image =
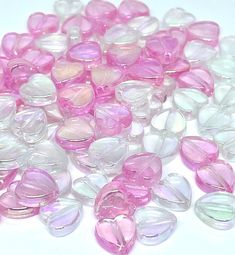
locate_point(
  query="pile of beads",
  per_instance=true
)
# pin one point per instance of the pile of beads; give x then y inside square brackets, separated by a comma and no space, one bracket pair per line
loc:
[111,89]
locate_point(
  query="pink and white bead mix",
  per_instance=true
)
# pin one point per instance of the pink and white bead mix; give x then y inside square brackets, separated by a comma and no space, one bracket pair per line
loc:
[110,91]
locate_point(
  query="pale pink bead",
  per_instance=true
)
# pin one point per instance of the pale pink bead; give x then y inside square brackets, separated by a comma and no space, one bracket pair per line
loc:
[85,26]
[88,53]
[42,61]
[7,175]
[143,168]
[2,76]
[112,200]
[196,151]
[148,70]
[217,176]
[207,31]
[197,78]
[166,49]
[75,134]
[179,66]
[123,55]
[14,45]
[40,23]
[65,72]
[112,119]
[131,9]
[76,99]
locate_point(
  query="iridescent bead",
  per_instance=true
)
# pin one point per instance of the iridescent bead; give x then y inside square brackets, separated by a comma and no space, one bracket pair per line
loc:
[216,210]
[30,125]
[224,96]
[226,46]
[67,8]
[86,188]
[108,154]
[54,114]
[7,110]
[135,138]
[154,225]
[223,67]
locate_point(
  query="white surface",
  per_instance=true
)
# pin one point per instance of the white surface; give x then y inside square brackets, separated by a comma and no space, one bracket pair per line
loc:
[191,236]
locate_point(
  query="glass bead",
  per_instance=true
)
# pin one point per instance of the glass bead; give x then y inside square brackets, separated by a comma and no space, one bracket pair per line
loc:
[176,68]
[226,46]
[67,8]
[223,68]
[74,35]
[7,110]
[224,96]
[53,113]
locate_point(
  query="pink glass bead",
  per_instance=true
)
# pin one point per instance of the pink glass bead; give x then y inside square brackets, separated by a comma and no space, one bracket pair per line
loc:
[217,176]
[10,206]
[123,55]
[104,79]
[14,45]
[131,9]
[2,76]
[147,69]
[112,200]
[40,23]
[112,119]
[176,68]
[85,26]
[65,72]
[197,152]
[117,235]
[36,188]
[197,78]
[8,174]
[87,53]
[207,31]
[137,194]
[166,49]
[76,133]
[42,61]
[76,99]
[143,168]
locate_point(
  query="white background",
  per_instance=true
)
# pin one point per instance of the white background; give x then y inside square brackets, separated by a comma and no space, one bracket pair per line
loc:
[29,237]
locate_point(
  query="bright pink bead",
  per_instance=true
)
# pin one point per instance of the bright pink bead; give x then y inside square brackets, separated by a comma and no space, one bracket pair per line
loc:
[112,200]
[217,176]
[207,31]
[112,119]
[178,67]
[40,23]
[147,69]
[76,99]
[42,61]
[131,9]
[197,78]
[10,206]
[88,53]
[80,21]
[65,72]
[7,175]
[14,45]
[197,152]
[166,49]
[143,168]
[36,188]
[2,76]
[117,235]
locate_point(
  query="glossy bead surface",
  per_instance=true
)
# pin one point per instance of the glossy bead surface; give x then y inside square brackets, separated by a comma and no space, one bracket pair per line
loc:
[67,8]
[226,46]
[223,67]
[7,110]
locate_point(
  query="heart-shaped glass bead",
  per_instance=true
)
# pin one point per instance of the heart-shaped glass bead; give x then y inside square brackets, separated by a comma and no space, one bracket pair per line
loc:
[67,8]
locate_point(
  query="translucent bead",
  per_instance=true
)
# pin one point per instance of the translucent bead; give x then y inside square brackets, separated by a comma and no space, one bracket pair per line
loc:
[189,101]
[86,188]
[178,17]
[170,120]
[135,138]
[145,25]
[68,137]
[53,113]
[67,8]
[61,217]
[112,119]
[8,172]
[38,91]
[223,67]
[196,151]
[7,110]
[117,235]
[30,125]
[76,99]
[226,46]
[211,119]
[163,144]
[40,23]
[10,206]
[173,192]
[74,36]
[36,188]
[154,225]
[54,43]
[224,96]
[176,68]
[143,168]
[216,210]
[197,78]
[217,176]
[108,154]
